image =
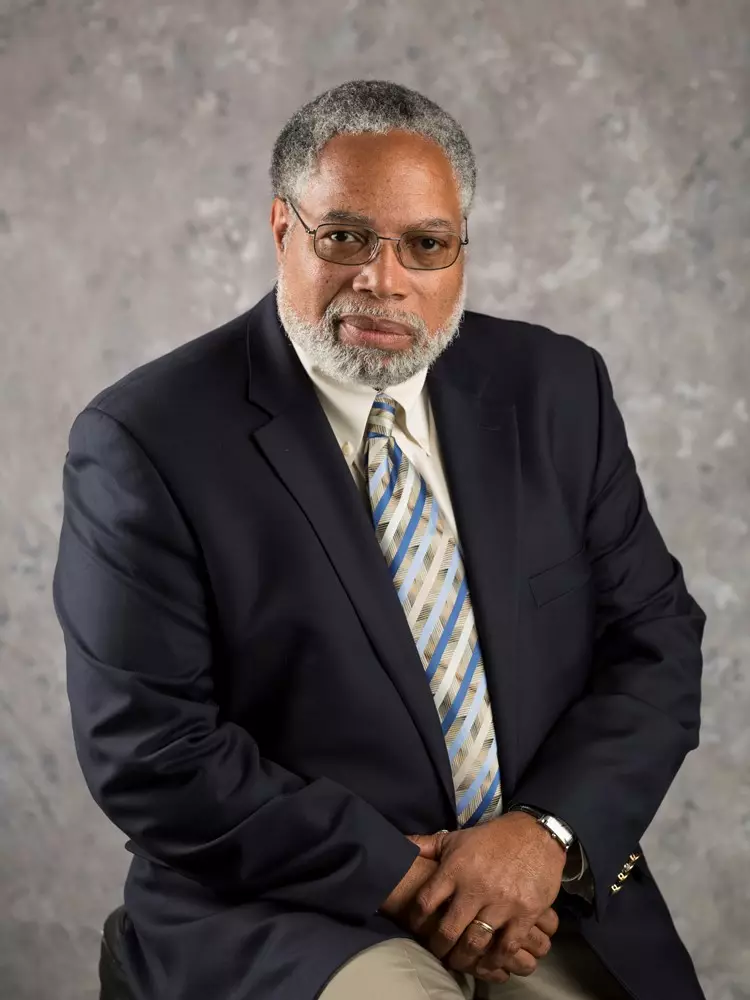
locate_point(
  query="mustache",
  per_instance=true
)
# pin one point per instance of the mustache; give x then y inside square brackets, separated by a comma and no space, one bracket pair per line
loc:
[338,309]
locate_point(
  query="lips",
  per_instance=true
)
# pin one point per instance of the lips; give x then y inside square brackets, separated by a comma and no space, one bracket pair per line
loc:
[377,325]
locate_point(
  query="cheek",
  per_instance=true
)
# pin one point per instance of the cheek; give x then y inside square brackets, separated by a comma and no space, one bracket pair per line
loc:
[324,285]
[442,301]
[313,284]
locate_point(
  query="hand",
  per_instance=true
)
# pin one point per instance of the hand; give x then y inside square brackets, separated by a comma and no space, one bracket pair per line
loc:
[473,948]
[481,956]
[506,872]
[400,899]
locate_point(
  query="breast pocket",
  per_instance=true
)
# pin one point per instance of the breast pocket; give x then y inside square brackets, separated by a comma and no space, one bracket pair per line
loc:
[560,579]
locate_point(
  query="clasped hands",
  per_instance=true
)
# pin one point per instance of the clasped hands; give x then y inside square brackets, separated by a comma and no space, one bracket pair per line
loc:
[506,873]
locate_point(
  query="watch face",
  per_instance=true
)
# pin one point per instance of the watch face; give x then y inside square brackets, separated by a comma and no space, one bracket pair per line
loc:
[552,825]
[558,830]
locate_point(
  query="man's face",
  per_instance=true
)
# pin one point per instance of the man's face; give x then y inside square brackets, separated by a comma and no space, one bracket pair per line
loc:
[396,180]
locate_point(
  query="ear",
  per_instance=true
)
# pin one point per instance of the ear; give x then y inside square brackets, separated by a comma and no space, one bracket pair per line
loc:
[280,224]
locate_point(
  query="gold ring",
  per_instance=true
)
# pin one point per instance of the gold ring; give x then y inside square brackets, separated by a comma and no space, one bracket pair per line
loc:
[484,926]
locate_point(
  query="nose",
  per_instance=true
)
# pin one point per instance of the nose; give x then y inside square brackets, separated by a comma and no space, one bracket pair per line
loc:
[384,276]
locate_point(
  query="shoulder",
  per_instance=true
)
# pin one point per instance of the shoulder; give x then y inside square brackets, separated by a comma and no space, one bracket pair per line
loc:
[521,358]
[181,381]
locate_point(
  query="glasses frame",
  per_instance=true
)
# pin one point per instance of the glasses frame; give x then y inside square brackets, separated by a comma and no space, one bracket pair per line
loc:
[378,238]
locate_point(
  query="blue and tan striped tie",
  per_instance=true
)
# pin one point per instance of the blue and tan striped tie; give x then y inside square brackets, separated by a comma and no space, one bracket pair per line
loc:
[428,573]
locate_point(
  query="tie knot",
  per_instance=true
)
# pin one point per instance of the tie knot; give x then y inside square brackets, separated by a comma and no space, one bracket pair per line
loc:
[382,416]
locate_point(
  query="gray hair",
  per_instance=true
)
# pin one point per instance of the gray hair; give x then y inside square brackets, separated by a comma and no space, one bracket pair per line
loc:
[366,106]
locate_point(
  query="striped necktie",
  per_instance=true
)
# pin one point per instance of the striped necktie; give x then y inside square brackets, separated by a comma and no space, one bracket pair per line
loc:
[428,573]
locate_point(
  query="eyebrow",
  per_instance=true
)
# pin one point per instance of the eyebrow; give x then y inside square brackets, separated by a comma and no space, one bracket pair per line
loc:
[431,222]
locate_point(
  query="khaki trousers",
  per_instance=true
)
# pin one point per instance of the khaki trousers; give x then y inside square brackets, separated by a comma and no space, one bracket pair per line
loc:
[401,969]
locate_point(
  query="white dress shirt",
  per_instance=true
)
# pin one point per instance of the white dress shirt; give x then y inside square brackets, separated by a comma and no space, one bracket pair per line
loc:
[347,406]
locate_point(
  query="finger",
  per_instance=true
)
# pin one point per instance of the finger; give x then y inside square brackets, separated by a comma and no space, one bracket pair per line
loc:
[470,947]
[537,943]
[457,918]
[514,935]
[433,894]
[498,975]
[428,844]
[430,926]
[522,963]
[549,922]
[476,939]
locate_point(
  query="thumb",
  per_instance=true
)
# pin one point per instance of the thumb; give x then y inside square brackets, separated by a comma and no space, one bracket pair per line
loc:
[429,844]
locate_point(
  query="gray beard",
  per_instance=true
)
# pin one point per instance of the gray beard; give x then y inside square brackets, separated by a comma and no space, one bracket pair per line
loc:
[370,366]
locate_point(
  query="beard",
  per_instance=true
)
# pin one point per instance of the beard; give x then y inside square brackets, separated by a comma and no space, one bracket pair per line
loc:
[372,366]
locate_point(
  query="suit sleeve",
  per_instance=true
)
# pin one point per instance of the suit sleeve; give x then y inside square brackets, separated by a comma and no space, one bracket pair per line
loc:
[189,787]
[608,762]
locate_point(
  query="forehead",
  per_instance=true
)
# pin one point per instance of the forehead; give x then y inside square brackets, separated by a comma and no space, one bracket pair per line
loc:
[393,178]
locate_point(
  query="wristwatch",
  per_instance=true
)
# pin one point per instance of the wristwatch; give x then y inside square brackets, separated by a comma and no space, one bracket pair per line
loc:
[554,826]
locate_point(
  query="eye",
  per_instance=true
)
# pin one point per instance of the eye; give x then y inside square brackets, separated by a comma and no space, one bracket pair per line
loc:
[428,243]
[343,236]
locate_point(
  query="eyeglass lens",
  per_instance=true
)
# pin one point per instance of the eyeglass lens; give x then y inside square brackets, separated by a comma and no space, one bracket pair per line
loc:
[424,250]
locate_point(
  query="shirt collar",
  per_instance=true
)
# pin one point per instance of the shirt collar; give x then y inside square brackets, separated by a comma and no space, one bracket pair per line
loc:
[347,404]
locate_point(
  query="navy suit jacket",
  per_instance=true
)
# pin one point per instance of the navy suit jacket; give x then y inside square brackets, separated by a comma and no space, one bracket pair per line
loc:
[248,704]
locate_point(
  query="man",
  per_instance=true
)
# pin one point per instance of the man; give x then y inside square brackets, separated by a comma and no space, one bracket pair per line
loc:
[374,650]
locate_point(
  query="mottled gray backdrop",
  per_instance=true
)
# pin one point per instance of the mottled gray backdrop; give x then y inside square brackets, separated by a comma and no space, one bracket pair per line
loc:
[613,139]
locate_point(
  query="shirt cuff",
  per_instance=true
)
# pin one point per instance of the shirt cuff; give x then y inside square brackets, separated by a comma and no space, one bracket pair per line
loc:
[576,864]
[577,878]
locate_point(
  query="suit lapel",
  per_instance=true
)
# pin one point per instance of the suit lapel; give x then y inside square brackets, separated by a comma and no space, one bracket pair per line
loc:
[478,439]
[478,443]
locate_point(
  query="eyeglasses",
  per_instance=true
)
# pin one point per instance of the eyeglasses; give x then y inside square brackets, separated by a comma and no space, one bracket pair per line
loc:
[354,245]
